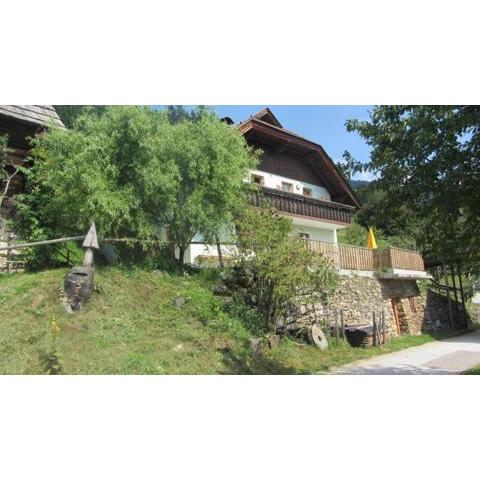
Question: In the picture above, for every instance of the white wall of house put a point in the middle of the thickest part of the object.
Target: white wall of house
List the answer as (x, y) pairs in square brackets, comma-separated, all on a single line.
[(196, 250), (317, 230), (271, 180), (318, 234), (320, 230)]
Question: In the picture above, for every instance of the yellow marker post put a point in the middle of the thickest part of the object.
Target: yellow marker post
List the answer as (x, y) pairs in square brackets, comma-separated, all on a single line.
[(371, 242)]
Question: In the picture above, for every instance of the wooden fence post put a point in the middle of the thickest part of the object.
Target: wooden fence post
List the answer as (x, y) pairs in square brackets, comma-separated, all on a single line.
[(459, 270), (342, 323), (374, 330), (447, 290), (383, 326), (9, 253), (327, 325), (379, 329), (336, 327)]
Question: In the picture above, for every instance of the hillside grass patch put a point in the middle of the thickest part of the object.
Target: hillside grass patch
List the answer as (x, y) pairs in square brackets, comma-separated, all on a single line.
[(130, 325)]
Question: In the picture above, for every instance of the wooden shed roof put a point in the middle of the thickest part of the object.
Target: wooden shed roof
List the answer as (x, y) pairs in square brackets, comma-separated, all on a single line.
[(42, 115)]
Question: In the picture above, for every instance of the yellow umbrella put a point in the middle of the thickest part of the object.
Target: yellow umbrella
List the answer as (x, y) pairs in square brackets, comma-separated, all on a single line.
[(371, 242)]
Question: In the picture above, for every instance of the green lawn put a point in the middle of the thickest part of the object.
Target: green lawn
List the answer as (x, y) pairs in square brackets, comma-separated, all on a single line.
[(130, 326)]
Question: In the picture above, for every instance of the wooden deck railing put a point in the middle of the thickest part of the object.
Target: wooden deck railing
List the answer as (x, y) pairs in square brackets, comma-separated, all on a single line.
[(350, 257), (402, 259), (356, 258), (328, 250), (300, 205)]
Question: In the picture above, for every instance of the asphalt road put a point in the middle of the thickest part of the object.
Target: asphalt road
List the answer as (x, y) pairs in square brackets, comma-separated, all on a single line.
[(444, 357)]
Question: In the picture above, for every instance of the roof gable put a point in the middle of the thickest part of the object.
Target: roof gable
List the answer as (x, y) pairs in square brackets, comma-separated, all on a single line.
[(316, 155), (266, 115), (42, 115)]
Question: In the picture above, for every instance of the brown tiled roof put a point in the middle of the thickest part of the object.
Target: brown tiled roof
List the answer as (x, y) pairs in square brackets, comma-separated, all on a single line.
[(44, 115)]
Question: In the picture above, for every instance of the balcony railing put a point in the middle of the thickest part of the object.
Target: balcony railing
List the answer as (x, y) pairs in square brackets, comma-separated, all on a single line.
[(300, 205), (350, 257)]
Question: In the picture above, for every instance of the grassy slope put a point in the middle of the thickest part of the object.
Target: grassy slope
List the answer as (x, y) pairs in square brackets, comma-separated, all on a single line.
[(130, 326)]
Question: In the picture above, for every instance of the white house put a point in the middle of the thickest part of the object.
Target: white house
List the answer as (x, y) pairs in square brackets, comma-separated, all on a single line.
[(299, 178)]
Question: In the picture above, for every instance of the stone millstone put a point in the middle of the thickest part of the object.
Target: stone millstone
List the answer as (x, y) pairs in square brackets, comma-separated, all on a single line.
[(317, 337)]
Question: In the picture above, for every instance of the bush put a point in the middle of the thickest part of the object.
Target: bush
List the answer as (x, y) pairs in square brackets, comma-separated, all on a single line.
[(277, 267)]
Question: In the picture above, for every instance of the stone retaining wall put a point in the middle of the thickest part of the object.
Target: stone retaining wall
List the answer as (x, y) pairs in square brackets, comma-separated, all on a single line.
[(358, 296)]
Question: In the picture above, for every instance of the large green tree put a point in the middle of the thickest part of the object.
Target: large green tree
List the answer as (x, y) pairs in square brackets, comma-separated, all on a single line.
[(135, 174), (69, 113), (211, 160), (428, 162)]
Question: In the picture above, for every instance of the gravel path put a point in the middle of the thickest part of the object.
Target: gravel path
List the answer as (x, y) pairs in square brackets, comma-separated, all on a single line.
[(444, 357)]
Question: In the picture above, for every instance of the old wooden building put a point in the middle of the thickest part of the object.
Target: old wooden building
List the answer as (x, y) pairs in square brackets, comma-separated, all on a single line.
[(20, 123)]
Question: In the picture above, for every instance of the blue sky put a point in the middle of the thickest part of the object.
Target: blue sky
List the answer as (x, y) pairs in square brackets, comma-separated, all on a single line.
[(322, 124)]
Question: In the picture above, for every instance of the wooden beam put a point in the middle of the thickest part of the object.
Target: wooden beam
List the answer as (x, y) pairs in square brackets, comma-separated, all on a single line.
[(43, 242)]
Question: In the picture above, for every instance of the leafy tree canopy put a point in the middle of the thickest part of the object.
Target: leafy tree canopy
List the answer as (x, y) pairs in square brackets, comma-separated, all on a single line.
[(428, 161), (69, 113), (134, 173), (178, 113), (349, 165)]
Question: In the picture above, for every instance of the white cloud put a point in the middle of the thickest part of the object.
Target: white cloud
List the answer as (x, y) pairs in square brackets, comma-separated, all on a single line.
[(365, 176)]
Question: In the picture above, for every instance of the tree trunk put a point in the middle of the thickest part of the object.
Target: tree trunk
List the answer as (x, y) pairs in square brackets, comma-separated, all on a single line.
[(7, 186), (181, 255), (219, 251)]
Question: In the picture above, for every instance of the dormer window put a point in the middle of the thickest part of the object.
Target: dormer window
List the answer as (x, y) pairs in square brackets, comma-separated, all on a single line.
[(258, 179), (287, 187), (307, 192)]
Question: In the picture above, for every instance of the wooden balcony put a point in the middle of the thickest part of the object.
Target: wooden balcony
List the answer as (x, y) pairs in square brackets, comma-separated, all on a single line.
[(300, 205), (349, 257)]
